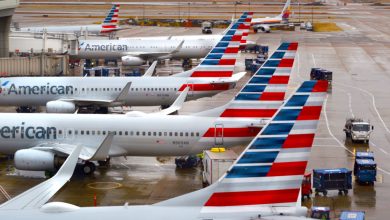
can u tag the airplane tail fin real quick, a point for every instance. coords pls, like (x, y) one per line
(286, 11)
(269, 172)
(220, 61)
(110, 23)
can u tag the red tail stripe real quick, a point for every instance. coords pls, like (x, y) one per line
(116, 10)
(232, 50)
(232, 132)
(279, 80)
(321, 86)
(286, 63)
(293, 46)
(108, 26)
(227, 62)
(272, 96)
(206, 87)
(236, 37)
(310, 113)
(298, 141)
(212, 74)
(251, 113)
(287, 168)
(253, 197)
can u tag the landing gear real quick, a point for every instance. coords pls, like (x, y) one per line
(104, 163)
(187, 64)
(89, 168)
(26, 109)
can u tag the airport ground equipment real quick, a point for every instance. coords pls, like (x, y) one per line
(322, 74)
(187, 161)
(207, 27)
(365, 167)
(358, 130)
(332, 179)
(306, 188)
(352, 215)
(215, 163)
(320, 213)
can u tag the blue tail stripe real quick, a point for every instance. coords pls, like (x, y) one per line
(307, 86)
(258, 157)
(278, 129)
(267, 143)
(277, 55)
(252, 97)
(210, 62)
(214, 56)
(248, 171)
(218, 50)
(297, 100)
(260, 80)
(271, 63)
(266, 72)
(287, 115)
(222, 44)
(284, 46)
(253, 88)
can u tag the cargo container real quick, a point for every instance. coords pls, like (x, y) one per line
(215, 163)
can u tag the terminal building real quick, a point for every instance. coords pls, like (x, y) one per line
(7, 8)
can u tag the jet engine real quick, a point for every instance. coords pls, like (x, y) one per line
(263, 28)
(132, 61)
(60, 107)
(36, 160)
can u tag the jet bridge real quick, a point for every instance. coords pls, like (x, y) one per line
(7, 8)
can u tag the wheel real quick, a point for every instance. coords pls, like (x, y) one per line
(325, 192)
(345, 191)
(104, 163)
(89, 168)
(316, 192)
(340, 192)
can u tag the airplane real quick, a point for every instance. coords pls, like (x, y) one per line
(67, 94)
(39, 141)
(263, 183)
(109, 24)
(138, 50)
(265, 24)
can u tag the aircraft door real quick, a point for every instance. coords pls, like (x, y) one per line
(191, 92)
(218, 134)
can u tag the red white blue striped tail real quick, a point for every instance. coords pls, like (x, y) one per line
(220, 61)
(269, 172)
(110, 23)
(267, 176)
(265, 91)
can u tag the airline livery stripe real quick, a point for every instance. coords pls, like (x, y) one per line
(287, 168)
(206, 87)
(298, 141)
(232, 132)
(212, 74)
(255, 113)
(253, 197)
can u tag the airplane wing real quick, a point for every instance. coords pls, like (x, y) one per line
(122, 95)
(150, 70)
(40, 194)
(87, 153)
(176, 105)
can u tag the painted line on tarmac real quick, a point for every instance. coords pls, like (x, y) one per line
(6, 195)
(326, 145)
(314, 60)
(337, 140)
(373, 103)
(299, 68)
(380, 148)
(125, 166)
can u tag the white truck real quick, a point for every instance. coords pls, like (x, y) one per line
(358, 130)
(207, 27)
(216, 163)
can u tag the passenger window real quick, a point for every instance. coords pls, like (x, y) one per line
(137, 133)
(176, 134)
(159, 133)
(93, 132)
(143, 133)
(197, 134)
(59, 131)
(165, 133)
(98, 132)
(104, 89)
(186, 134)
(192, 134)
(104, 132)
(76, 132)
(181, 134)
(170, 133)
(131, 133)
(69, 132)
(87, 132)
(154, 134)
(126, 133)
(149, 133)
(120, 133)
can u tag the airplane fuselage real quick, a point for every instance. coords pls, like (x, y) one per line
(144, 135)
(94, 29)
(144, 91)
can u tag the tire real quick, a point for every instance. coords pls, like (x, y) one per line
(345, 191)
(89, 168)
(325, 192)
(340, 192)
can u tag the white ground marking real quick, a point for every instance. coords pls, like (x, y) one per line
(314, 60)
(373, 103)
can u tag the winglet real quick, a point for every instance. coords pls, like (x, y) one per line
(150, 70)
(176, 105)
(40, 194)
(122, 95)
(178, 48)
(102, 151)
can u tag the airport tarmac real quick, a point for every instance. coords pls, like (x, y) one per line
(359, 57)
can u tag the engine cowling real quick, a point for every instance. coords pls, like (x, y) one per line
(132, 61)
(60, 107)
(265, 28)
(35, 160)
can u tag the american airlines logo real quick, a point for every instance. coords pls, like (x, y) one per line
(28, 132)
(38, 90)
(3, 84)
(103, 47)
